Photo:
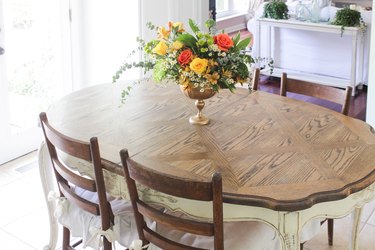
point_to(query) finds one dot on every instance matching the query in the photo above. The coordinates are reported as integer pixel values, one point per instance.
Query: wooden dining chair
(170, 225)
(87, 194)
(332, 94)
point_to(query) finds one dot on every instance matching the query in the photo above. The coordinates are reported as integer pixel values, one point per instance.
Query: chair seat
(79, 221)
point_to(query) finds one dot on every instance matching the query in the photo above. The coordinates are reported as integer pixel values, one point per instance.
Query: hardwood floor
(357, 104)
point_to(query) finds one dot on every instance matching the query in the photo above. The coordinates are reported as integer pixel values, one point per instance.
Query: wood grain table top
(272, 151)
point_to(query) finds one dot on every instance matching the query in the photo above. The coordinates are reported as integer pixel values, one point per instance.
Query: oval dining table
(283, 161)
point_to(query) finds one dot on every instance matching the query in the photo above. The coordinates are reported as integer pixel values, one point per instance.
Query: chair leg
(66, 239)
(330, 231)
(106, 244)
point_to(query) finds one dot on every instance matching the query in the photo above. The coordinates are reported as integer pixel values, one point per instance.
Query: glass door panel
(32, 70)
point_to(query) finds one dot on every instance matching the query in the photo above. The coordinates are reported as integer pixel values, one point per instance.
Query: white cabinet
(303, 51)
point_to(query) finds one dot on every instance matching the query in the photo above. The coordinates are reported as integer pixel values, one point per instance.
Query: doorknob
(2, 51)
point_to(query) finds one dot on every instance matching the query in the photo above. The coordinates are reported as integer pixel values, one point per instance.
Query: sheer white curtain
(161, 11)
(104, 32)
(253, 6)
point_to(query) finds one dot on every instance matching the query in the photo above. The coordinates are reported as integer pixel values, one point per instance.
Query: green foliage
(189, 40)
(194, 27)
(347, 17)
(243, 44)
(276, 9)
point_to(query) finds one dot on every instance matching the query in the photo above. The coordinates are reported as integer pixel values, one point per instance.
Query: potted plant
(347, 17)
(276, 9)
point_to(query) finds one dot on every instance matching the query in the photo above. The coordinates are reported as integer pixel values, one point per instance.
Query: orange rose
(223, 41)
(185, 57)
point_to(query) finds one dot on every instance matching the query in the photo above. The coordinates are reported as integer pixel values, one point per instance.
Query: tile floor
(24, 221)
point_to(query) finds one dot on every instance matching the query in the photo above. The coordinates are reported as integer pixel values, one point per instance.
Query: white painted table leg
(356, 219)
(289, 229)
(48, 184)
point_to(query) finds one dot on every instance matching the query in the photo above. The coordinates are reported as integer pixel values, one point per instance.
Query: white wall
(370, 111)
(103, 33)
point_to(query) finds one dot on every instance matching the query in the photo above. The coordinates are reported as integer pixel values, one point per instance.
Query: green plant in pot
(276, 9)
(347, 17)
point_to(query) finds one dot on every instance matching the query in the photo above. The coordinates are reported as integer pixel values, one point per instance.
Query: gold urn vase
(198, 96)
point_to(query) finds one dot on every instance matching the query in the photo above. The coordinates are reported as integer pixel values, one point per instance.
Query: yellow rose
(160, 48)
(177, 45)
(198, 65)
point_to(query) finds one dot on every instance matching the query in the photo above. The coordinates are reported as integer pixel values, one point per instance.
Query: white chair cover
(238, 235)
(88, 227)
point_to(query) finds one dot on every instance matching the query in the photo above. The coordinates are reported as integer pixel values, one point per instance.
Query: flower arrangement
(194, 60)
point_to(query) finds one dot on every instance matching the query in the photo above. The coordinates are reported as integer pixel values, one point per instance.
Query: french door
(34, 41)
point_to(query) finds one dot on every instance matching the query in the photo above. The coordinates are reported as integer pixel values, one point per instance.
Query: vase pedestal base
(199, 120)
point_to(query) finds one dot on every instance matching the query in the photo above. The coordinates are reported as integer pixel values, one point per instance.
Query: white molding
(235, 28)
(370, 110)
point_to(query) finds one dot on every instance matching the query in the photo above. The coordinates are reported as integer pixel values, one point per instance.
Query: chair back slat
(136, 173)
(68, 145)
(186, 225)
(153, 180)
(74, 178)
(78, 200)
(325, 92)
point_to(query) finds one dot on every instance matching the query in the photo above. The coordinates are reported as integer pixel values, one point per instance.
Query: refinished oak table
(283, 161)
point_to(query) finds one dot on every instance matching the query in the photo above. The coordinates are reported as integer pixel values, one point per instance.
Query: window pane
(221, 5)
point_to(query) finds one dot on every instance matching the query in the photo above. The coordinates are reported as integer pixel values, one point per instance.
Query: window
(227, 8)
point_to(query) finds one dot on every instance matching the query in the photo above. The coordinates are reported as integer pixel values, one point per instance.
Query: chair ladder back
(68, 180)
(153, 179)
(186, 225)
(316, 90)
(210, 191)
(255, 80)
